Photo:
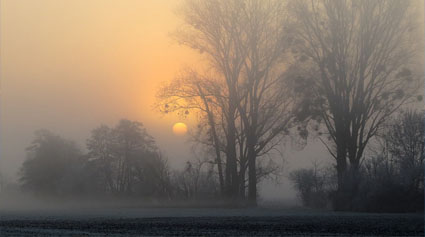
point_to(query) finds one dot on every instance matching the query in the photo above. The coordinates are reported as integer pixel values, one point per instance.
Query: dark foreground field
(206, 222)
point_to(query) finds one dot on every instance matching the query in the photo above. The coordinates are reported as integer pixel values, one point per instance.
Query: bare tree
(360, 53)
(404, 140)
(124, 156)
(206, 98)
(210, 27)
(196, 180)
(393, 174)
(267, 107)
(244, 43)
(311, 185)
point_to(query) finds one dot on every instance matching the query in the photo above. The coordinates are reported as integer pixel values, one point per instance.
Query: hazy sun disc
(179, 129)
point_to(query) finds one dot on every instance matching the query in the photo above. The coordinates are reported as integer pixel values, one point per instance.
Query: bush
(310, 185)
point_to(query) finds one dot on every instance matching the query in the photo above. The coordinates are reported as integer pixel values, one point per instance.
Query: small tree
(404, 138)
(196, 181)
(311, 185)
(127, 160)
(53, 165)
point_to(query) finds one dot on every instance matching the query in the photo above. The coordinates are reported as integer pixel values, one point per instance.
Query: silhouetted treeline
(122, 161)
(286, 70)
(276, 71)
(391, 179)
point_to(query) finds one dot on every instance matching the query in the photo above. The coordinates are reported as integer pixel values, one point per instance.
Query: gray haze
(69, 66)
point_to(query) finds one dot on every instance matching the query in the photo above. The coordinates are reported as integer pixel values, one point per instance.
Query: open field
(206, 222)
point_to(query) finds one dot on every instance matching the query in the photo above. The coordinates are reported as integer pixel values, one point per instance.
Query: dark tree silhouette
(404, 141)
(128, 160)
(359, 53)
(53, 165)
(312, 186)
(205, 97)
(244, 99)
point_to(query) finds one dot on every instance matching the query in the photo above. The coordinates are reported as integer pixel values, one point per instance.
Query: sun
(179, 129)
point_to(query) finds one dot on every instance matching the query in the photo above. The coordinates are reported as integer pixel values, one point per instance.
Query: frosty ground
(204, 222)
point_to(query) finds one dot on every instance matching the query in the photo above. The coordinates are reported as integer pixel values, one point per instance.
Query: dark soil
(311, 225)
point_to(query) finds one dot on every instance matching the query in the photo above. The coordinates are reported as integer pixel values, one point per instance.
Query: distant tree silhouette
(312, 186)
(121, 161)
(53, 165)
(196, 181)
(127, 159)
(404, 141)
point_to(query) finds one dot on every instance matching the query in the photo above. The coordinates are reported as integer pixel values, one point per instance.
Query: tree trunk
(215, 138)
(353, 178)
(232, 184)
(242, 173)
(252, 181)
(252, 171)
(340, 200)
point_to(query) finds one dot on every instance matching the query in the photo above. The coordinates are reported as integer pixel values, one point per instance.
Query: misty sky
(70, 66)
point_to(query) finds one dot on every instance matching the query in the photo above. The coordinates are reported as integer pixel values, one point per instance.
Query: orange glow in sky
(70, 66)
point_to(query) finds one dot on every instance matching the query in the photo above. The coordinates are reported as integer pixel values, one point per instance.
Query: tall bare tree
(210, 27)
(244, 43)
(360, 53)
(267, 106)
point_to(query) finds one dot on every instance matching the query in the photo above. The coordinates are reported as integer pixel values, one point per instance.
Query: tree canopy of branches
(243, 99)
(393, 176)
(196, 181)
(127, 160)
(359, 53)
(403, 139)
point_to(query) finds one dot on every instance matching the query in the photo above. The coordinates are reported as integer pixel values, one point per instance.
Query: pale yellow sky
(71, 65)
